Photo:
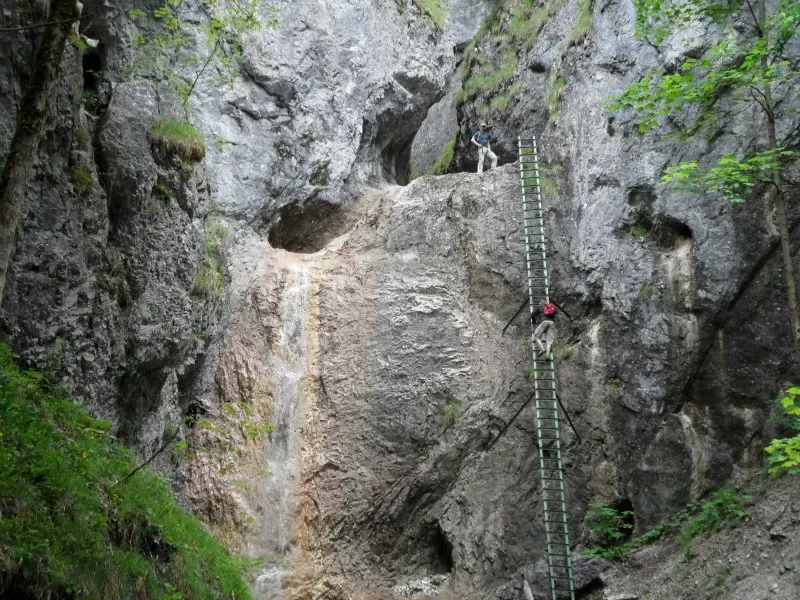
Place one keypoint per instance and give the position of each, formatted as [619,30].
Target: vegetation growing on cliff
[614,526]
[179,137]
[209,279]
[515,25]
[784,453]
[445,156]
[73,524]
[748,73]
[171,46]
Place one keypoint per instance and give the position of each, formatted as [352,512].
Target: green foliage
[612,524]
[71,525]
[747,69]
[449,412]
[731,178]
[563,351]
[83,137]
[712,514]
[209,279]
[445,156]
[79,43]
[583,25]
[645,292]
[512,24]
[697,518]
[784,454]
[165,192]
[435,10]
[615,386]
[166,48]
[81,179]
[179,137]
[554,95]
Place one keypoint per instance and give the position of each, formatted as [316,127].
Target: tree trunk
[777,197]
[30,128]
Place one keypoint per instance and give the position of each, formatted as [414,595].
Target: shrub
[724,506]
[612,524]
[449,414]
[73,524]
[784,454]
[697,518]
[178,137]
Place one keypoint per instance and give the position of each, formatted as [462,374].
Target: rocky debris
[427,586]
[587,574]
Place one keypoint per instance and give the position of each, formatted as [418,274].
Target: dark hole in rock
[537,67]
[308,228]
[441,551]
[396,159]
[671,233]
[96,91]
[624,507]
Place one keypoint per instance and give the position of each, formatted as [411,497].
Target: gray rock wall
[681,335]
[675,343]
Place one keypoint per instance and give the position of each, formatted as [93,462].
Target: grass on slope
[72,526]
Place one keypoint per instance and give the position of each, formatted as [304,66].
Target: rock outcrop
[343,389]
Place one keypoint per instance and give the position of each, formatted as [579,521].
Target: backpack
[550,309]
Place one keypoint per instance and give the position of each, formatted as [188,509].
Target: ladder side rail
[559,559]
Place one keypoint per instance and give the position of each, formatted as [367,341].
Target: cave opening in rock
[624,508]
[396,161]
[93,66]
[308,227]
[441,551]
[670,233]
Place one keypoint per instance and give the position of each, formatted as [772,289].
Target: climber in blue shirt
[481,141]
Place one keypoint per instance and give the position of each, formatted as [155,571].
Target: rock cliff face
[348,391]
[688,340]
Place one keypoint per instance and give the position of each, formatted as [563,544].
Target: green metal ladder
[559,559]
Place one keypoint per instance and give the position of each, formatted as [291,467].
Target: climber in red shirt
[543,318]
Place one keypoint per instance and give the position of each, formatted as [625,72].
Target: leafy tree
[784,454]
[171,46]
[749,74]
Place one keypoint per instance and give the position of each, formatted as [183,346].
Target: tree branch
[200,74]
[152,458]
[757,101]
[756,22]
[38,25]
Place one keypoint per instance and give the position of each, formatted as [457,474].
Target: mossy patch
[583,25]
[445,157]
[179,137]
[435,10]
[73,524]
[81,179]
